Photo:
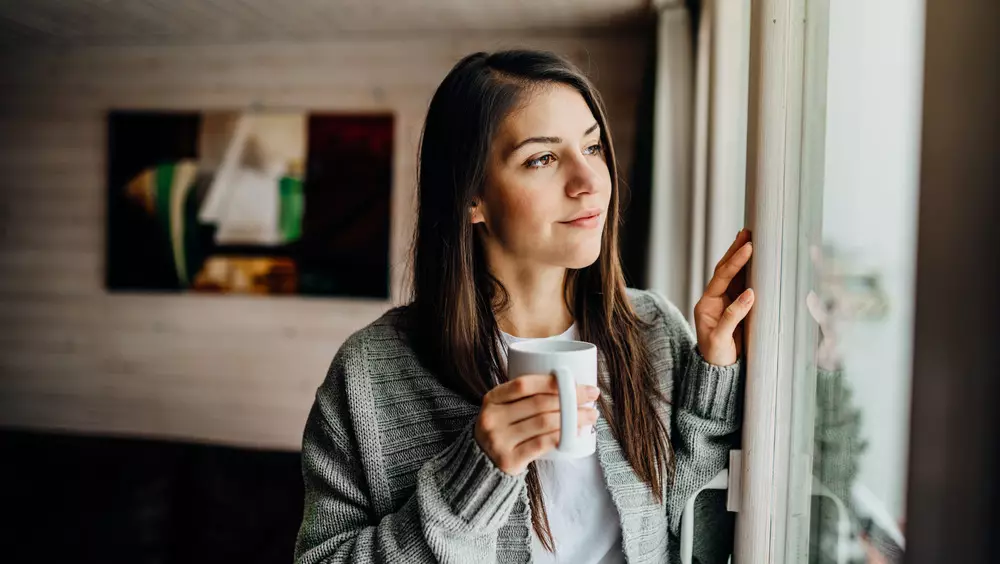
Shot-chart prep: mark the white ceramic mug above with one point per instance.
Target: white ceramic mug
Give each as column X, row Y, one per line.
column 572, row 363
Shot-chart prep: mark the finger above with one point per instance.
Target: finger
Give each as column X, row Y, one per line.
column 724, row 274
column 529, row 407
column 735, row 313
column 816, row 308
column 532, row 449
column 537, row 384
column 545, row 423
column 522, row 386
column 741, row 238
column 736, row 286
column 586, row 394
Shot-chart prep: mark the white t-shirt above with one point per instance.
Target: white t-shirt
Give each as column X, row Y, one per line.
column 583, row 519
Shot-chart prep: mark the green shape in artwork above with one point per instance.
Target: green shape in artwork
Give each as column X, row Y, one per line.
column 292, row 197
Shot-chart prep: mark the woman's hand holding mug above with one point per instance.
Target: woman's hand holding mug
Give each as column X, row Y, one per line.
column 520, row 420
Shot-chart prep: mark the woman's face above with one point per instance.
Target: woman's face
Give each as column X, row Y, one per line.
column 548, row 185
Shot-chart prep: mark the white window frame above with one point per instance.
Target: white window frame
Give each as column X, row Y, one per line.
column 749, row 162
column 774, row 162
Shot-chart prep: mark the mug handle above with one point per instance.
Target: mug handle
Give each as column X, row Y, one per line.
column 567, row 407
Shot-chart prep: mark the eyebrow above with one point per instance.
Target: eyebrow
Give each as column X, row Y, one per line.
column 530, row 140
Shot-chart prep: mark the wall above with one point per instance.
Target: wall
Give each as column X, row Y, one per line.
column 226, row 369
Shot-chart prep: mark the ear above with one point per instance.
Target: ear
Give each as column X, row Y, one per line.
column 476, row 212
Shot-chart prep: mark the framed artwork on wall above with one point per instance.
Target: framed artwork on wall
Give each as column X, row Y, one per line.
column 249, row 202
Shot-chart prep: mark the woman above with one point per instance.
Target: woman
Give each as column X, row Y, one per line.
column 418, row 448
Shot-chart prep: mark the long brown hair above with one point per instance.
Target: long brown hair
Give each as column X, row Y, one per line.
column 455, row 295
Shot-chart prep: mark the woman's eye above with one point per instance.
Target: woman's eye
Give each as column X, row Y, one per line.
column 594, row 149
column 544, row 160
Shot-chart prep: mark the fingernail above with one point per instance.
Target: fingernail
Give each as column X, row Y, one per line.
column 745, row 297
column 593, row 391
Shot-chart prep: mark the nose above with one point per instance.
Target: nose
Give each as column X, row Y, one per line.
column 582, row 178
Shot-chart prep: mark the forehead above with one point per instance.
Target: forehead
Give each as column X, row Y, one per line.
column 556, row 111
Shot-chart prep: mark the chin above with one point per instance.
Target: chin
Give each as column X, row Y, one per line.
column 583, row 257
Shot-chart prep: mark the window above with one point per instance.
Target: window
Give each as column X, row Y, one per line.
column 833, row 158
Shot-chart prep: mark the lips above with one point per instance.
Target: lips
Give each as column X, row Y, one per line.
column 585, row 219
column 585, row 214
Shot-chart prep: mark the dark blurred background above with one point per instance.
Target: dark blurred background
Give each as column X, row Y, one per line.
column 71, row 498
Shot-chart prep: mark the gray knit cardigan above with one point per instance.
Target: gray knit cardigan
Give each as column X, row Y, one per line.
column 393, row 474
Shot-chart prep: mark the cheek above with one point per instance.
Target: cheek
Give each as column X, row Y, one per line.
column 522, row 208
column 522, row 217
column 604, row 174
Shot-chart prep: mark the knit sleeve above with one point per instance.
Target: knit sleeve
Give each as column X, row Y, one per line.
column 706, row 418
column 454, row 515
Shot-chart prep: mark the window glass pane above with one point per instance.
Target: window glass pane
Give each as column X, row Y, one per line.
column 853, row 351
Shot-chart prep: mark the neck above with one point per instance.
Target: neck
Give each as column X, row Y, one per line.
column 537, row 306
